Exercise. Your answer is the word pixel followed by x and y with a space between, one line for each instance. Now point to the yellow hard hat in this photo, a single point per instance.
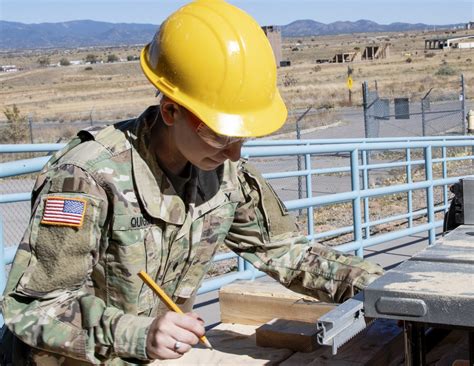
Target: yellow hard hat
pixel 215 60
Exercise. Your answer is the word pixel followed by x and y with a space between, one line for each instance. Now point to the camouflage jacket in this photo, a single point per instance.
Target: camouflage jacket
pixel 73 293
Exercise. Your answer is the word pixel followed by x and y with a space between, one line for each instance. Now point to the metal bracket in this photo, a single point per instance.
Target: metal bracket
pixel 341 324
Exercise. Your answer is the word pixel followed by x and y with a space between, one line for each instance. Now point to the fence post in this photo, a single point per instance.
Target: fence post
pixel 298 157
pixel 30 123
pixel 365 96
pixel 423 119
pixel 298 166
pixel 423 129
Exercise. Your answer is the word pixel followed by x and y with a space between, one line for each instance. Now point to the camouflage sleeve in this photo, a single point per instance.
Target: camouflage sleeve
pixel 265 234
pixel 49 300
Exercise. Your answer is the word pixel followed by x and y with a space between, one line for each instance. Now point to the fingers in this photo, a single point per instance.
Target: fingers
pixel 196 316
pixel 190 322
pixel 172 335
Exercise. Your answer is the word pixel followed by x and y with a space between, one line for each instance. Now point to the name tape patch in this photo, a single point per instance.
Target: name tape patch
pixel 64 211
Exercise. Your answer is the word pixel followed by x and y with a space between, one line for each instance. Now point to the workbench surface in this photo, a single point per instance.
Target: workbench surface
pixel 435 286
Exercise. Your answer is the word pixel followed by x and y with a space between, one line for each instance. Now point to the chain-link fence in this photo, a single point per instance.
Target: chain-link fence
pixel 15 216
pixel 423 115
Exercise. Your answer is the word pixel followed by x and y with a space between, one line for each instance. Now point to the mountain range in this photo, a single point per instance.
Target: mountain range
pixel 84 33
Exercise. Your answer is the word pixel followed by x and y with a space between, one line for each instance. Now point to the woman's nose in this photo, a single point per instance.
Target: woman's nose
pixel 233 151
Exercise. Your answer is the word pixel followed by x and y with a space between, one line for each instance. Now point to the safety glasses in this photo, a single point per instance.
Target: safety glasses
pixel 210 137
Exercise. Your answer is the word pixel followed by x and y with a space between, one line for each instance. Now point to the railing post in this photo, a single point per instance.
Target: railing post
pixel 409 181
pixel 365 185
pixel 429 194
pixel 445 175
pixel 356 202
pixel 309 194
pixel 2 258
pixel 3 275
pixel 249 266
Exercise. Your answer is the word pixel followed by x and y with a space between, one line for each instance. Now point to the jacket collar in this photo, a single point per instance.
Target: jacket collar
pixel 208 190
pixel 154 190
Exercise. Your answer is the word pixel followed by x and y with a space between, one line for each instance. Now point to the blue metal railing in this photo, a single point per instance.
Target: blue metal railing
pixel 359 153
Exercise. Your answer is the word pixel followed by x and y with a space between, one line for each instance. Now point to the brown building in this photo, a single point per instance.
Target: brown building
pixel 274 36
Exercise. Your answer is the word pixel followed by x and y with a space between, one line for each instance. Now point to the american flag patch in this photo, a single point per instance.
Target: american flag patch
pixel 64 211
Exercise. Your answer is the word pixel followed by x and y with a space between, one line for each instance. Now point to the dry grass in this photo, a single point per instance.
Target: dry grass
pixel 116 91
pixel 325 85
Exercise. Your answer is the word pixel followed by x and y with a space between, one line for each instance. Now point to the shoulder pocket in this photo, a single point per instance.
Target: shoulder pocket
pixel 64 231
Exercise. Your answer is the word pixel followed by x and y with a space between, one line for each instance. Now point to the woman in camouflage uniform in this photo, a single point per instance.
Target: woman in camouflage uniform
pixel 160 193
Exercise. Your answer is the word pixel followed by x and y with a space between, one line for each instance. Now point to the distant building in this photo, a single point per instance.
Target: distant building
pixel 470 25
pixel 369 53
pixel 274 36
pixel 447 43
pixel 8 68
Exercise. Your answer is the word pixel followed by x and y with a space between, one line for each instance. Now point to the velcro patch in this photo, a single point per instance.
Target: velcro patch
pixel 64 211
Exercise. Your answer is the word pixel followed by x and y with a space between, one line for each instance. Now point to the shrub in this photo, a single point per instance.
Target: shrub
pixel 409 60
pixel 429 54
pixel 317 68
pixel 64 62
pixel 17 129
pixel 43 61
pixel 112 58
pixel 446 70
pixel 88 68
pixel 289 80
pixel 91 58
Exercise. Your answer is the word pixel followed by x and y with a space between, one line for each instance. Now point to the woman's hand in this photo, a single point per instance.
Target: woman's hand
pixel 172 335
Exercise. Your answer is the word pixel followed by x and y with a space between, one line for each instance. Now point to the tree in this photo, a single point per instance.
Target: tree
pixel 64 62
pixel 17 129
pixel 91 58
pixel 112 58
pixel 43 61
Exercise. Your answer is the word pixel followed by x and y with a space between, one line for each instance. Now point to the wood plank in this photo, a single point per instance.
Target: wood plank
pixel 292 334
pixel 233 345
pixel 379 344
pixel 454 347
pixel 257 302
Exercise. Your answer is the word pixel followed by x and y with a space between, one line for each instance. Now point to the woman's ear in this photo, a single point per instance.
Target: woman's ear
pixel 169 111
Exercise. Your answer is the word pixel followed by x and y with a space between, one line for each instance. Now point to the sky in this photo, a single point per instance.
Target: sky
pixel 266 12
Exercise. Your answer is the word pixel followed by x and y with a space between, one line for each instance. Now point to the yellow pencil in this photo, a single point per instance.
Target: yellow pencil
pixel 167 300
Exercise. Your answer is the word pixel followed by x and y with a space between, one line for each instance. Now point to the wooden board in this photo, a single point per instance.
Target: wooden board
pixel 454 347
pixel 291 334
pixel 379 344
pixel 233 345
pixel 257 302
